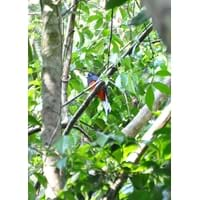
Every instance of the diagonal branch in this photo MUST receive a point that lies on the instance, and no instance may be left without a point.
(109, 71)
(144, 115)
(82, 108)
(148, 136)
(136, 155)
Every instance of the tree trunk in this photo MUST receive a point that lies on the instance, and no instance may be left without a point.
(51, 89)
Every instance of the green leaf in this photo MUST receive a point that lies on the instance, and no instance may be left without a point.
(162, 87)
(31, 191)
(129, 149)
(149, 97)
(114, 3)
(64, 143)
(93, 18)
(101, 139)
(131, 87)
(98, 23)
(145, 195)
(33, 121)
(100, 123)
(163, 73)
(42, 179)
(139, 180)
(122, 81)
(118, 155)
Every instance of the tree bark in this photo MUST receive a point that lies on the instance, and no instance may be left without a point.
(51, 89)
(160, 10)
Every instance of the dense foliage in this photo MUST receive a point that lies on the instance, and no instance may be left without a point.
(91, 164)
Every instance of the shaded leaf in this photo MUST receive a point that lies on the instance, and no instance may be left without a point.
(149, 97)
(101, 139)
(114, 3)
(42, 179)
(64, 143)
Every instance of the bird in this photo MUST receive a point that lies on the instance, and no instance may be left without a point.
(101, 94)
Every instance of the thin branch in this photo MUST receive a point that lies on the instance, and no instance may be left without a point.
(82, 108)
(141, 39)
(67, 51)
(83, 132)
(34, 130)
(110, 39)
(115, 187)
(80, 94)
(109, 71)
(67, 11)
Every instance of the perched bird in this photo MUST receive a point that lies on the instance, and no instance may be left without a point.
(102, 93)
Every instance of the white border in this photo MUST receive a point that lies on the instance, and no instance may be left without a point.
(13, 100)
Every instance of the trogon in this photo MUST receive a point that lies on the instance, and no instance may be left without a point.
(102, 93)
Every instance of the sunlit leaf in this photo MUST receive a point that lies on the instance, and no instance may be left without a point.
(162, 87)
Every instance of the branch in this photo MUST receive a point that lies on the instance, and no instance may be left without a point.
(110, 40)
(136, 155)
(111, 194)
(144, 115)
(148, 136)
(109, 71)
(84, 105)
(68, 10)
(83, 132)
(80, 94)
(67, 50)
(33, 130)
(141, 38)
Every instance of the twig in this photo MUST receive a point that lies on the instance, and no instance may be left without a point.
(80, 94)
(115, 187)
(110, 40)
(67, 49)
(141, 38)
(69, 9)
(83, 132)
(37, 129)
(84, 105)
(33, 130)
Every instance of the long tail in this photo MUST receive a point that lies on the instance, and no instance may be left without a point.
(106, 106)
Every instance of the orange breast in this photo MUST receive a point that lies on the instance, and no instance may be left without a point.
(100, 93)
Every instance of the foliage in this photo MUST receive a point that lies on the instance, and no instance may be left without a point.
(90, 166)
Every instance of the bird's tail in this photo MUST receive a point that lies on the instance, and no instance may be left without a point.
(106, 106)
